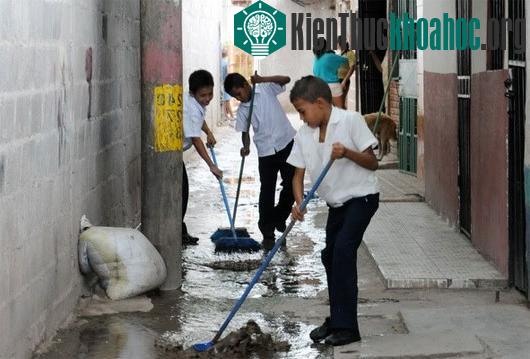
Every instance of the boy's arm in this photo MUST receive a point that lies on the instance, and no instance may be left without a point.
(376, 61)
(199, 146)
(280, 80)
(298, 192)
(365, 159)
(245, 138)
(210, 139)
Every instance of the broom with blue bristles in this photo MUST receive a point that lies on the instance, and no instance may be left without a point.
(231, 242)
(239, 232)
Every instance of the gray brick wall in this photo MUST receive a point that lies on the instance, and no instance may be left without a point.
(62, 154)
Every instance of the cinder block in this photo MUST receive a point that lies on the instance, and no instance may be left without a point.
(7, 120)
(6, 25)
(36, 113)
(23, 117)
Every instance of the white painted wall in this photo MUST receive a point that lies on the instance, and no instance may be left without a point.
(421, 66)
(443, 62)
(479, 57)
(201, 45)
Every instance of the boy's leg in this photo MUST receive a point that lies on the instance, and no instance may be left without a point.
(268, 174)
(186, 238)
(185, 195)
(343, 283)
(285, 203)
(333, 226)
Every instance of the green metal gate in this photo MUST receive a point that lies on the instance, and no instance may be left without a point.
(408, 134)
(408, 102)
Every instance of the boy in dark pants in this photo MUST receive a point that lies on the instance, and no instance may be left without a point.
(273, 137)
(350, 190)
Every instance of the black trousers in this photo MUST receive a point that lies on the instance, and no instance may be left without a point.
(185, 195)
(344, 232)
(269, 214)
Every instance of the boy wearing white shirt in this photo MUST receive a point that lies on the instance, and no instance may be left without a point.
(350, 190)
(273, 137)
(195, 102)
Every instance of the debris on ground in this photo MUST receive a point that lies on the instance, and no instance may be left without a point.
(238, 344)
(236, 266)
(96, 306)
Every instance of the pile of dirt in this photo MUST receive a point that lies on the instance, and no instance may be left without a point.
(238, 344)
(236, 266)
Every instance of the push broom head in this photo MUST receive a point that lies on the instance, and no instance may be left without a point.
(227, 232)
(239, 244)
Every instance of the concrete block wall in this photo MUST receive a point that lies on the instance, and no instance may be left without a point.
(69, 145)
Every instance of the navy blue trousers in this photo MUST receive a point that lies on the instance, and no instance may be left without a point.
(269, 214)
(185, 195)
(344, 232)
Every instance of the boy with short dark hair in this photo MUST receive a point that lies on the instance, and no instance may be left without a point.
(200, 94)
(273, 137)
(350, 190)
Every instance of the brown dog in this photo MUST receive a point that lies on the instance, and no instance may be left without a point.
(385, 131)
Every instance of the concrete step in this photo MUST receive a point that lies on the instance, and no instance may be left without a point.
(434, 345)
(414, 248)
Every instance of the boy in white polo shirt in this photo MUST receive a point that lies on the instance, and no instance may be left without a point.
(195, 102)
(273, 137)
(350, 190)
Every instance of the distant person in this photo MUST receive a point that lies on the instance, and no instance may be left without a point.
(227, 107)
(273, 137)
(326, 67)
(350, 190)
(346, 70)
(382, 67)
(195, 102)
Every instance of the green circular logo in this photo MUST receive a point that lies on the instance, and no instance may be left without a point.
(259, 29)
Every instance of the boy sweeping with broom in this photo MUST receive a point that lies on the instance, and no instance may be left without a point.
(350, 190)
(195, 102)
(273, 137)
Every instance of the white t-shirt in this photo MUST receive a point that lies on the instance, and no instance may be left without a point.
(194, 115)
(272, 129)
(345, 179)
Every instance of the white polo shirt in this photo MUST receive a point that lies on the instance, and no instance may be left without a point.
(345, 179)
(272, 129)
(194, 115)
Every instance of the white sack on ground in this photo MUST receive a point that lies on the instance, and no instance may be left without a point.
(125, 261)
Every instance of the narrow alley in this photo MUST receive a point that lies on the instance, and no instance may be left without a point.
(108, 200)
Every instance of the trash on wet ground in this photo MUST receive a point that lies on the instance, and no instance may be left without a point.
(236, 266)
(247, 340)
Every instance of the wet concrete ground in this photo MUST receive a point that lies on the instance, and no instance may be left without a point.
(288, 302)
(291, 283)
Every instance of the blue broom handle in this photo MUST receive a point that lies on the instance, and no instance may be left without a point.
(225, 200)
(271, 254)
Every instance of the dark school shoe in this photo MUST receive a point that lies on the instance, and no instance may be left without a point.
(320, 333)
(268, 243)
(342, 337)
(281, 227)
(188, 240)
